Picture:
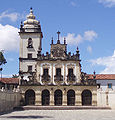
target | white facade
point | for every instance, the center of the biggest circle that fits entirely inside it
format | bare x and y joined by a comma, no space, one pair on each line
106,93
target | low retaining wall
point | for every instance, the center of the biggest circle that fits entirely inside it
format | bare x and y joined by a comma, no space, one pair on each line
9,99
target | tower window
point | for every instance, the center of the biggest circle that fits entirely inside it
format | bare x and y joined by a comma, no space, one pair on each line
58,71
29,55
30,43
70,71
45,71
29,68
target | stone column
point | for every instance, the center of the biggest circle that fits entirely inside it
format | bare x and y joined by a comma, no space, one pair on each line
78,98
38,98
64,100
94,98
51,97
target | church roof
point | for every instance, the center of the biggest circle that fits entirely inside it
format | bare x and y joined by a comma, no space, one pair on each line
9,80
102,76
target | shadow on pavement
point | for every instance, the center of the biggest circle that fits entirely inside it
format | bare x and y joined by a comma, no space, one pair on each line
27,117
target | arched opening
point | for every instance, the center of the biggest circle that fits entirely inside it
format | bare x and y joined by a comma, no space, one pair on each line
71,97
86,97
45,97
58,97
30,43
30,97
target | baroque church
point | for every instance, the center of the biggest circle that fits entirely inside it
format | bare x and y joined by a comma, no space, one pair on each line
53,78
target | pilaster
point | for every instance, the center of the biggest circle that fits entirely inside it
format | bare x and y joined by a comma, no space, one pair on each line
38,98
78,99
51,97
64,100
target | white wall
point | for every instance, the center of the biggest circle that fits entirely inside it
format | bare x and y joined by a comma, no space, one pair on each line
105,95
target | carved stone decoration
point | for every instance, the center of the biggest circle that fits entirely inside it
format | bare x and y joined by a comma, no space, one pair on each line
58,51
86,81
71,66
46,65
58,65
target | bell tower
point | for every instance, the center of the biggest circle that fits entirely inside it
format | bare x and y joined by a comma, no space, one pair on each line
30,44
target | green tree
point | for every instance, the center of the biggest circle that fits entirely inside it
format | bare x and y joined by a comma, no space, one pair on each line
2,59
15,76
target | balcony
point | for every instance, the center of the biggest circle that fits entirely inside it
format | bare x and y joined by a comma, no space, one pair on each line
58,79
45,78
71,79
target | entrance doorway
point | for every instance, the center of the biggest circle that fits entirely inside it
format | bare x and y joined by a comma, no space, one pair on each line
71,97
30,97
45,97
86,97
58,97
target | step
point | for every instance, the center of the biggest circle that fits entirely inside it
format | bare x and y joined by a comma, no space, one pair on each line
61,108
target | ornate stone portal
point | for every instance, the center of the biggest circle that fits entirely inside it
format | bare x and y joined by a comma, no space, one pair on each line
54,78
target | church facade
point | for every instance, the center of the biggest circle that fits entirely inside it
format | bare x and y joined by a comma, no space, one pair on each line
53,78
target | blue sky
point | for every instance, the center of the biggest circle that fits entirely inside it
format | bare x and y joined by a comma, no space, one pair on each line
88,24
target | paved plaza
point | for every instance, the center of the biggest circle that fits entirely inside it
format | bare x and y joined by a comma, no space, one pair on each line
60,115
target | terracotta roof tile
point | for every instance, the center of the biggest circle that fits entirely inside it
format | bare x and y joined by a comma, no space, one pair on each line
102,76
10,80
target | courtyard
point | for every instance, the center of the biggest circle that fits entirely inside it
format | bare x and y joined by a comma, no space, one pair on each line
60,115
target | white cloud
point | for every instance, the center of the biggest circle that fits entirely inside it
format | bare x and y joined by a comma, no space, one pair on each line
73,39
107,3
6,76
90,35
12,16
73,4
89,49
9,39
108,62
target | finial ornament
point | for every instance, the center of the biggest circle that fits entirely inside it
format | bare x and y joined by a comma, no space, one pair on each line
21,25
52,41
94,74
58,41
31,11
58,34
64,40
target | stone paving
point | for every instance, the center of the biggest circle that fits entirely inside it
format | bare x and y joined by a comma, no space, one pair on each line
60,115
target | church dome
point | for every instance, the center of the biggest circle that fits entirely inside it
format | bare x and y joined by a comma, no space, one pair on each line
31,22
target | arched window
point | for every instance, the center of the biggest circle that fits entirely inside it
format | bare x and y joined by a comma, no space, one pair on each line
30,43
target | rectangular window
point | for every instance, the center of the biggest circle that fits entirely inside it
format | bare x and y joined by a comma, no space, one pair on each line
58,71
109,85
29,55
29,68
45,71
70,71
